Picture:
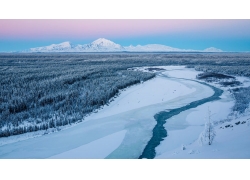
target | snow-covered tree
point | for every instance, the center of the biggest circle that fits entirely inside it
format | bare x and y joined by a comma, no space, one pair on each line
208,135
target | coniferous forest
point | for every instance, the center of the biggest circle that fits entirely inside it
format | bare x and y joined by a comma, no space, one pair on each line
41,91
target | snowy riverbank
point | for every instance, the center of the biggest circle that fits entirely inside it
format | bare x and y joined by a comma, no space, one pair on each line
123,128
185,128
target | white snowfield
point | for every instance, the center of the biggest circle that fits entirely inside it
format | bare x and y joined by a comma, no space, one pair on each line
123,128
92,149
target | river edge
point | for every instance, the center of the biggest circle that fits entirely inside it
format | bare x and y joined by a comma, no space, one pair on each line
138,121
121,127
159,132
184,130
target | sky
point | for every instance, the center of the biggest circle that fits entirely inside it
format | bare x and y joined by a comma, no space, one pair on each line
226,34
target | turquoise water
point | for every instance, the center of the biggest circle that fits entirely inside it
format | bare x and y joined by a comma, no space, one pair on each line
159,132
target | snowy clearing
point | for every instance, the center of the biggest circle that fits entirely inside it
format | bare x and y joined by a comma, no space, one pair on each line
229,143
155,91
91,150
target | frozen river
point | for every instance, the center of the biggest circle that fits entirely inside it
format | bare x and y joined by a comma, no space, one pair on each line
124,127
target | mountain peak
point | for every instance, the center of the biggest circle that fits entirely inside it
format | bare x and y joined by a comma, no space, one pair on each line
64,46
103,42
106,44
66,43
212,49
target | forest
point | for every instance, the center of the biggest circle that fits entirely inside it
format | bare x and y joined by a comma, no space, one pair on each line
41,90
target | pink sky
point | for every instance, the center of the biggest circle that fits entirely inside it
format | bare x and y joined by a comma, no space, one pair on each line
49,29
229,35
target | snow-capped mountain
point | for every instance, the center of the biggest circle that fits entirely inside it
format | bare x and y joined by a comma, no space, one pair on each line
212,49
99,45
151,48
105,45
65,46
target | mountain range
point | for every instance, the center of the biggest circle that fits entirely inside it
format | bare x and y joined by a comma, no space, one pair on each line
105,45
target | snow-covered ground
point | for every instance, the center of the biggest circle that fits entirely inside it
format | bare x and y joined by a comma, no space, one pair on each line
185,128
155,91
92,149
230,143
123,128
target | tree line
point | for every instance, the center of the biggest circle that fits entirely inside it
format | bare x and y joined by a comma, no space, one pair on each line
42,91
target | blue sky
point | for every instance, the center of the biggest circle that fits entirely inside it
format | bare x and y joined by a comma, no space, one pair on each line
228,35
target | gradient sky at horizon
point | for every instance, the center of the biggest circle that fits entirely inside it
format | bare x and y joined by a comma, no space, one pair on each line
228,35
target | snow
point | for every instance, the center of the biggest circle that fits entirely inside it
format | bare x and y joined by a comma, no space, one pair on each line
212,49
104,42
123,128
132,111
151,47
97,149
100,44
229,143
244,80
145,94
181,72
185,128
64,46
105,45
